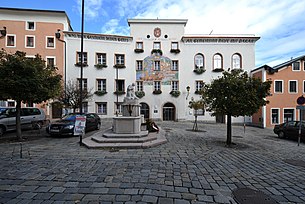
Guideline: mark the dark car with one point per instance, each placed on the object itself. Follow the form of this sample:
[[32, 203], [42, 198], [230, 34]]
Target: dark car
[[290, 129], [65, 126]]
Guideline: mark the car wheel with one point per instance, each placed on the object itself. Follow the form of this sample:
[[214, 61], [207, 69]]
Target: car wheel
[[1, 131], [98, 126], [281, 134]]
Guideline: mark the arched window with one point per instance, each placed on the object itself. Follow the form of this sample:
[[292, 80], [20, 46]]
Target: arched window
[[199, 61], [217, 61], [236, 61]]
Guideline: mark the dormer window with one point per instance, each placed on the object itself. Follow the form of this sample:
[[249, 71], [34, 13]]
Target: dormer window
[[30, 25], [296, 66], [157, 45]]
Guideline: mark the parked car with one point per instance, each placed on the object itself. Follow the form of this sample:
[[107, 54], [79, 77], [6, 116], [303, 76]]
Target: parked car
[[29, 118], [65, 126], [290, 129]]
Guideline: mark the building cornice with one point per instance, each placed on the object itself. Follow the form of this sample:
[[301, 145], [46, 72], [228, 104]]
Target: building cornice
[[157, 21], [102, 37], [190, 39]]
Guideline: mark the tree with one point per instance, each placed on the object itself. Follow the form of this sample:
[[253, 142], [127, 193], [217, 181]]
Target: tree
[[196, 105], [236, 94], [26, 80], [71, 97]]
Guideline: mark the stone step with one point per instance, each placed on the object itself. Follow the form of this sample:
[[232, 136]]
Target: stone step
[[102, 139], [109, 134]]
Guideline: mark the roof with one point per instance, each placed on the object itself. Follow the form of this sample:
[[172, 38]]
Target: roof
[[161, 21]]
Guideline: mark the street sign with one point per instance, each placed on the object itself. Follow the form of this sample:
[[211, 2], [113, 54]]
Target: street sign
[[301, 107], [301, 100]]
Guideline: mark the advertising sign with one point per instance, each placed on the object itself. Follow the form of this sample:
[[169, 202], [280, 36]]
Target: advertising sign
[[80, 124]]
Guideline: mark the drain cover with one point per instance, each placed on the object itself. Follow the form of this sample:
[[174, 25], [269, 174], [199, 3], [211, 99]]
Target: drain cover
[[250, 196], [295, 162]]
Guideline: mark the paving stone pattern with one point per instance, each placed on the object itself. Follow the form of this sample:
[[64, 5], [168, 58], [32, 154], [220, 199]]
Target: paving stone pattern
[[192, 167]]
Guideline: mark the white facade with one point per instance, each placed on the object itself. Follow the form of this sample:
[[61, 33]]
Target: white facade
[[172, 69]]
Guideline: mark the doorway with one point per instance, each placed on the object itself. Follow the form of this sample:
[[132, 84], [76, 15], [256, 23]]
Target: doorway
[[169, 111], [144, 110], [56, 110]]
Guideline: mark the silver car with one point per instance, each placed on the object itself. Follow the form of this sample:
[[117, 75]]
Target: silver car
[[29, 117]]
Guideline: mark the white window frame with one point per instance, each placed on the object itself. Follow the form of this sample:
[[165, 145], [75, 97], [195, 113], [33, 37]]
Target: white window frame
[[289, 91], [101, 84], [51, 57], [216, 61], [278, 117], [117, 83], [157, 85], [139, 45], [199, 62], [101, 58], [139, 85], [157, 45], [293, 66], [85, 83], [119, 59], [157, 65], [27, 25], [236, 58], [139, 62], [103, 108], [175, 46], [54, 45], [6, 40], [199, 85], [175, 65], [26, 40], [294, 113], [175, 85], [282, 81], [85, 57]]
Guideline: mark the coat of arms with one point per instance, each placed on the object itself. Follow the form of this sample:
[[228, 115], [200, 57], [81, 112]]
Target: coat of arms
[[157, 32]]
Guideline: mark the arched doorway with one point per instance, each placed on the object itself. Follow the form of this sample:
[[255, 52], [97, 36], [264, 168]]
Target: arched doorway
[[56, 110], [169, 111], [144, 110]]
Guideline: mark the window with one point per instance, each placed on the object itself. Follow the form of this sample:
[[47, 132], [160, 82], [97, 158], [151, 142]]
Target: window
[[139, 65], [30, 41], [175, 85], [157, 45], [10, 41], [50, 61], [174, 45], [175, 65], [236, 61], [118, 107], [296, 66], [85, 85], [85, 107], [101, 58], [157, 85], [101, 84], [157, 65], [293, 86], [199, 85], [50, 42], [288, 115], [101, 108], [120, 85], [85, 57], [139, 85], [304, 88], [30, 25], [217, 61], [139, 45], [199, 61], [278, 86], [119, 59], [275, 116]]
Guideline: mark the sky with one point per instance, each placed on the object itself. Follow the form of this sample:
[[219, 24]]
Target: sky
[[280, 24]]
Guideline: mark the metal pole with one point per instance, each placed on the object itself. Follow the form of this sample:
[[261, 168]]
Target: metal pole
[[117, 94], [81, 68], [300, 128]]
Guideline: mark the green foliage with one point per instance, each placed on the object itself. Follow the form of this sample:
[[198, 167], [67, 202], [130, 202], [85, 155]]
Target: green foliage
[[140, 94], [27, 79], [236, 94], [175, 93], [196, 105], [100, 93]]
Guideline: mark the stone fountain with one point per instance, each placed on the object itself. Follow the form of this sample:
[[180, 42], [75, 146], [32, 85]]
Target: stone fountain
[[127, 130]]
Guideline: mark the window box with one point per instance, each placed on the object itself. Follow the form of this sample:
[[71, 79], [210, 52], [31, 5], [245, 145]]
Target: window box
[[100, 66], [140, 94], [199, 70], [198, 92], [100, 93], [78, 64], [119, 92], [175, 93], [218, 70], [138, 50], [176, 51], [156, 51], [119, 66], [157, 92]]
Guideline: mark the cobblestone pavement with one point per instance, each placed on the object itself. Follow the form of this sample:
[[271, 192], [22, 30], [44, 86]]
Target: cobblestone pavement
[[192, 167]]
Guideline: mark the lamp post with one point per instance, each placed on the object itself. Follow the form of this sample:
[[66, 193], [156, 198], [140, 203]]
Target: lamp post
[[117, 94], [3, 32], [188, 91], [57, 35], [81, 68]]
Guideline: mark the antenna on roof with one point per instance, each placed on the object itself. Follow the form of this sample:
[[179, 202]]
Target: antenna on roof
[[211, 32]]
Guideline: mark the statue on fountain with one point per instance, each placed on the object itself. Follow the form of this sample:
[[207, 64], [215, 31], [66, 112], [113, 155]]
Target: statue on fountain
[[131, 92]]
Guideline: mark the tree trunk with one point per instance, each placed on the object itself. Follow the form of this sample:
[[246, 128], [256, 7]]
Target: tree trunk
[[229, 130], [18, 121]]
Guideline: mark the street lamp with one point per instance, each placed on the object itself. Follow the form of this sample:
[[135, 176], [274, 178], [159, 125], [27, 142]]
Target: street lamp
[[188, 91], [57, 35], [3, 32]]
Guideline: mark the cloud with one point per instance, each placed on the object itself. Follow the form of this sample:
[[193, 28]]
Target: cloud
[[92, 8]]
